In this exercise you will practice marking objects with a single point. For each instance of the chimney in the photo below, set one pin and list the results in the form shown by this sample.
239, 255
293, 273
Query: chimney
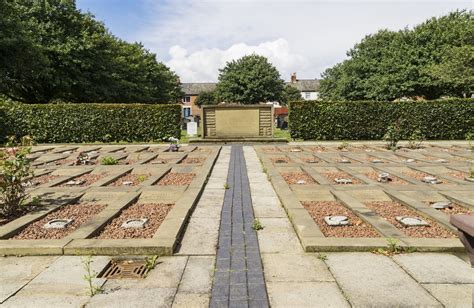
293, 78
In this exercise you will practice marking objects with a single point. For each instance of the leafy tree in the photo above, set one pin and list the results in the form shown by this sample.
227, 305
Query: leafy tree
207, 98
456, 70
54, 51
249, 80
290, 94
388, 65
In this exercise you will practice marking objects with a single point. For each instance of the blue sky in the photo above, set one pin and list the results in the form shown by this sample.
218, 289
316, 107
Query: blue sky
197, 37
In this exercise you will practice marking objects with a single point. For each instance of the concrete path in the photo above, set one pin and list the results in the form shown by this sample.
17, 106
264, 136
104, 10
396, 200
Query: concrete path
293, 278
238, 280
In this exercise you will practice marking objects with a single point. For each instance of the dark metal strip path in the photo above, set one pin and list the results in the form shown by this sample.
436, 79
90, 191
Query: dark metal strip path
238, 279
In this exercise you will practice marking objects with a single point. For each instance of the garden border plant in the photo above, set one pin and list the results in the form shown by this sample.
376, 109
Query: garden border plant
369, 120
56, 123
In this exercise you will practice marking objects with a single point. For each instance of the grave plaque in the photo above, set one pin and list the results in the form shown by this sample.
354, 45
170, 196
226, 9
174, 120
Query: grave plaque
191, 128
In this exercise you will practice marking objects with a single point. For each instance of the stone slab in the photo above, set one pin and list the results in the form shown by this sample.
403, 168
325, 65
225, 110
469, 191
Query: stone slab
376, 281
197, 277
143, 298
436, 268
305, 294
452, 295
294, 268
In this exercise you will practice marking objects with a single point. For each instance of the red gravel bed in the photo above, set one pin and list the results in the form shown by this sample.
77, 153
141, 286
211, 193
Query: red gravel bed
127, 161
374, 175
88, 178
158, 161
280, 160
332, 176
154, 212
43, 179
418, 175
294, 177
134, 178
458, 174
389, 210
457, 209
177, 179
192, 160
270, 150
356, 228
318, 149
80, 213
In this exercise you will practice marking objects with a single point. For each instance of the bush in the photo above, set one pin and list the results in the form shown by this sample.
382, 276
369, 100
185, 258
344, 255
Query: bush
90, 122
14, 170
368, 120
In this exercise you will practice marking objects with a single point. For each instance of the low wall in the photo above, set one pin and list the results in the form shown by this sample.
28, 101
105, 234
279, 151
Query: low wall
237, 121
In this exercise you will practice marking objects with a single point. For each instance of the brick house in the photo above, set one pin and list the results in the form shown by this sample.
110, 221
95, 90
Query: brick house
191, 92
309, 88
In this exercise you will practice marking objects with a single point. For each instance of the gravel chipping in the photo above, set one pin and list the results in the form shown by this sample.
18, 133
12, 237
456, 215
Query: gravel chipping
458, 174
136, 179
294, 177
388, 210
80, 213
332, 176
177, 179
456, 209
374, 175
88, 178
270, 150
192, 160
154, 212
318, 149
280, 160
43, 179
418, 175
356, 228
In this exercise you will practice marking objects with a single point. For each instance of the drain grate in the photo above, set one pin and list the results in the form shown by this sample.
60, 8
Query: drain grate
125, 269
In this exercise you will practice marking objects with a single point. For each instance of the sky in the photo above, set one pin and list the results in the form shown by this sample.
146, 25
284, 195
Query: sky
197, 37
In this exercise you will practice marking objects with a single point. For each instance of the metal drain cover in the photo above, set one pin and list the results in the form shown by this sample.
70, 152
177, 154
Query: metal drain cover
125, 269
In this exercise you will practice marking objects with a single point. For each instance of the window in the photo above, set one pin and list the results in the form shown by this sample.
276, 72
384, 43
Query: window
307, 95
187, 99
186, 112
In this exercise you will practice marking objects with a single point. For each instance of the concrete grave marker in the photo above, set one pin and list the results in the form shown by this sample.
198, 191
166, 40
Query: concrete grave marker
377, 161
411, 221
58, 224
384, 177
431, 180
343, 181
191, 128
135, 223
301, 182
336, 220
440, 205
127, 183
410, 160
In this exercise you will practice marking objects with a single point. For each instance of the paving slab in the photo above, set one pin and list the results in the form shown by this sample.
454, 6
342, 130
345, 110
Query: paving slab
452, 295
46, 300
64, 276
294, 268
370, 280
305, 294
436, 268
154, 297
16, 272
185, 300
197, 277
200, 237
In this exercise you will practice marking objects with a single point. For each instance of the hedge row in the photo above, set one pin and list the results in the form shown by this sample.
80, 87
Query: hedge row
368, 120
90, 122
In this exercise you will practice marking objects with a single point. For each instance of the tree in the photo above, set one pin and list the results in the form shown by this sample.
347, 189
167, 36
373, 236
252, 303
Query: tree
207, 98
388, 65
456, 70
249, 80
290, 94
56, 52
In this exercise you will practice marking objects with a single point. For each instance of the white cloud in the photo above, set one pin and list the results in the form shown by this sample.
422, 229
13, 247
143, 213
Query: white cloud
203, 65
308, 35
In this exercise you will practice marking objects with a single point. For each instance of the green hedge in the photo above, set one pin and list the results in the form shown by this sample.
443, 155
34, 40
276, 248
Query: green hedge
90, 122
368, 120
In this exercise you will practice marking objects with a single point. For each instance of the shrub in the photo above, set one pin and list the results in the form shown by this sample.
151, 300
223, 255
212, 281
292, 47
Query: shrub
392, 136
108, 161
14, 170
416, 139
90, 122
367, 120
